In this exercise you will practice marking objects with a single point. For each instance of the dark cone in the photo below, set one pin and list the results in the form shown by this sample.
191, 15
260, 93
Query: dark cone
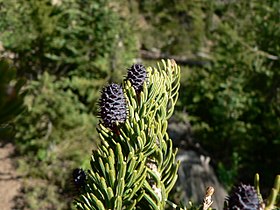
79, 178
112, 106
137, 75
243, 197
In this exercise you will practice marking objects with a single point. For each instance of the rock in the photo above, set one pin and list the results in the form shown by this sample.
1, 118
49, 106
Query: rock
195, 175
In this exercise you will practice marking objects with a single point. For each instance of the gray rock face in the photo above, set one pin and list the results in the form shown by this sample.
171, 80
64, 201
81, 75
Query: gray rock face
195, 171
195, 175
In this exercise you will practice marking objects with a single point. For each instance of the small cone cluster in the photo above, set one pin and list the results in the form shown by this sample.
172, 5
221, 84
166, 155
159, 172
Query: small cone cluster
243, 197
112, 103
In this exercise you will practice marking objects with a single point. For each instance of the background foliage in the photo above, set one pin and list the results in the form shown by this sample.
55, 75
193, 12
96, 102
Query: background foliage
11, 98
235, 100
67, 50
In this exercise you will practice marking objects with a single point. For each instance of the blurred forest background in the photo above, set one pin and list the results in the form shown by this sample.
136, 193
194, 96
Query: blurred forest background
56, 55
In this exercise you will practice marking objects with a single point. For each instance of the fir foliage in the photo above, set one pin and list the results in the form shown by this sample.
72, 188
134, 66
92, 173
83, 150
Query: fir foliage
136, 167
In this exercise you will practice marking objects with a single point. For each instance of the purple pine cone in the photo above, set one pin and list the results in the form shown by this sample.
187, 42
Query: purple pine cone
243, 197
137, 75
79, 177
112, 106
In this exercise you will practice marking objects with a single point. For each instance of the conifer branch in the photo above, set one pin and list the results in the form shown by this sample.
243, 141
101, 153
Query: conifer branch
134, 166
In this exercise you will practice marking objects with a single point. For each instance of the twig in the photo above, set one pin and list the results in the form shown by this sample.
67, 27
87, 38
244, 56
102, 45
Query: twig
207, 201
